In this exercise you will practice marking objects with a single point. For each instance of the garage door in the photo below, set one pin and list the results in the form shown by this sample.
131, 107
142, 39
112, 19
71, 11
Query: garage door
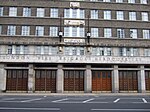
45, 80
17, 80
73, 80
101, 81
128, 81
147, 80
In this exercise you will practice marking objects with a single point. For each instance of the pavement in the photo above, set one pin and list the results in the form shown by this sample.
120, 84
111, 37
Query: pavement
23, 102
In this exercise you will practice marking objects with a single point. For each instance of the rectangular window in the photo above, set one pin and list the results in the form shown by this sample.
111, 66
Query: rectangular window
107, 15
54, 50
144, 16
120, 33
0, 29
26, 12
74, 13
1, 11
106, 0
46, 49
12, 11
132, 16
119, 1
131, 1
133, 33
143, 1
26, 50
9, 51
54, 12
11, 30
25, 31
128, 52
94, 32
40, 12
17, 49
120, 15
73, 32
146, 52
107, 32
39, 31
94, 14
53, 31
38, 50
146, 34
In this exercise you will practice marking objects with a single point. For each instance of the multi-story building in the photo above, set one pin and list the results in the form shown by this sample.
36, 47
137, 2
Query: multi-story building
75, 46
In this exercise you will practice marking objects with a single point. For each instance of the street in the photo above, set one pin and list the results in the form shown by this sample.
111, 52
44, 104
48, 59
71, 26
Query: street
64, 103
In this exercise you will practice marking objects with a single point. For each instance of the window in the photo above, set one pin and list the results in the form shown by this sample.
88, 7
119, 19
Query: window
107, 14
131, 1
147, 52
120, 15
1, 11
102, 51
37, 49
17, 50
120, 33
144, 16
25, 50
128, 52
0, 29
9, 51
53, 50
74, 51
133, 33
107, 32
94, 14
25, 30
119, 1
54, 12
39, 31
46, 49
26, 12
94, 32
12, 11
74, 13
132, 16
146, 34
73, 32
53, 31
143, 1
40, 12
11, 30
106, 0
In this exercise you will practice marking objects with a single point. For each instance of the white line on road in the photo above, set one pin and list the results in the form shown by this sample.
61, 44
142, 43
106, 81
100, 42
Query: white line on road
121, 110
88, 100
116, 100
60, 100
144, 100
32, 100
42, 109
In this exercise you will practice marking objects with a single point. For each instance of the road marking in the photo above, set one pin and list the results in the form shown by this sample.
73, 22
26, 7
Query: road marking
116, 100
144, 100
121, 110
42, 109
88, 100
60, 100
32, 100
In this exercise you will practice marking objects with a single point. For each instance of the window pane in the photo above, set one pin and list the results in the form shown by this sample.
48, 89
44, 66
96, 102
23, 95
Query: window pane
120, 33
94, 14
146, 34
39, 31
120, 15
11, 30
107, 14
133, 33
26, 12
132, 16
1, 11
12, 11
144, 16
94, 32
40, 12
53, 31
107, 32
25, 30
54, 12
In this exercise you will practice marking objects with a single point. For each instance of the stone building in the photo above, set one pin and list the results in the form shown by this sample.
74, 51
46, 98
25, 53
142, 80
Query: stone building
87, 46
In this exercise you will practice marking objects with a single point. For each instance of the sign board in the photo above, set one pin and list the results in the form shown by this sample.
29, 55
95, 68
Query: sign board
74, 4
74, 22
74, 40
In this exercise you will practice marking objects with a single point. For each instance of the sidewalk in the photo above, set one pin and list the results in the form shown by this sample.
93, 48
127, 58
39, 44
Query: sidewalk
78, 94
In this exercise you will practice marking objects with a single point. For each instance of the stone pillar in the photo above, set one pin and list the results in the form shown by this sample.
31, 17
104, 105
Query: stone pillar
115, 79
60, 79
31, 79
88, 79
141, 80
2, 78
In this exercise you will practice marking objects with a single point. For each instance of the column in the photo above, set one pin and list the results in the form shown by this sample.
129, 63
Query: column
31, 79
2, 78
141, 80
115, 79
88, 79
60, 79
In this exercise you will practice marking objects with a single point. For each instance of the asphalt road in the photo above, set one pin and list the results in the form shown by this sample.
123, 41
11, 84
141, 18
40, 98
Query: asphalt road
29, 103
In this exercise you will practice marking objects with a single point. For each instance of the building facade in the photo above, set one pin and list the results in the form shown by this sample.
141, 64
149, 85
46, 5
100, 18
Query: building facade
73, 46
